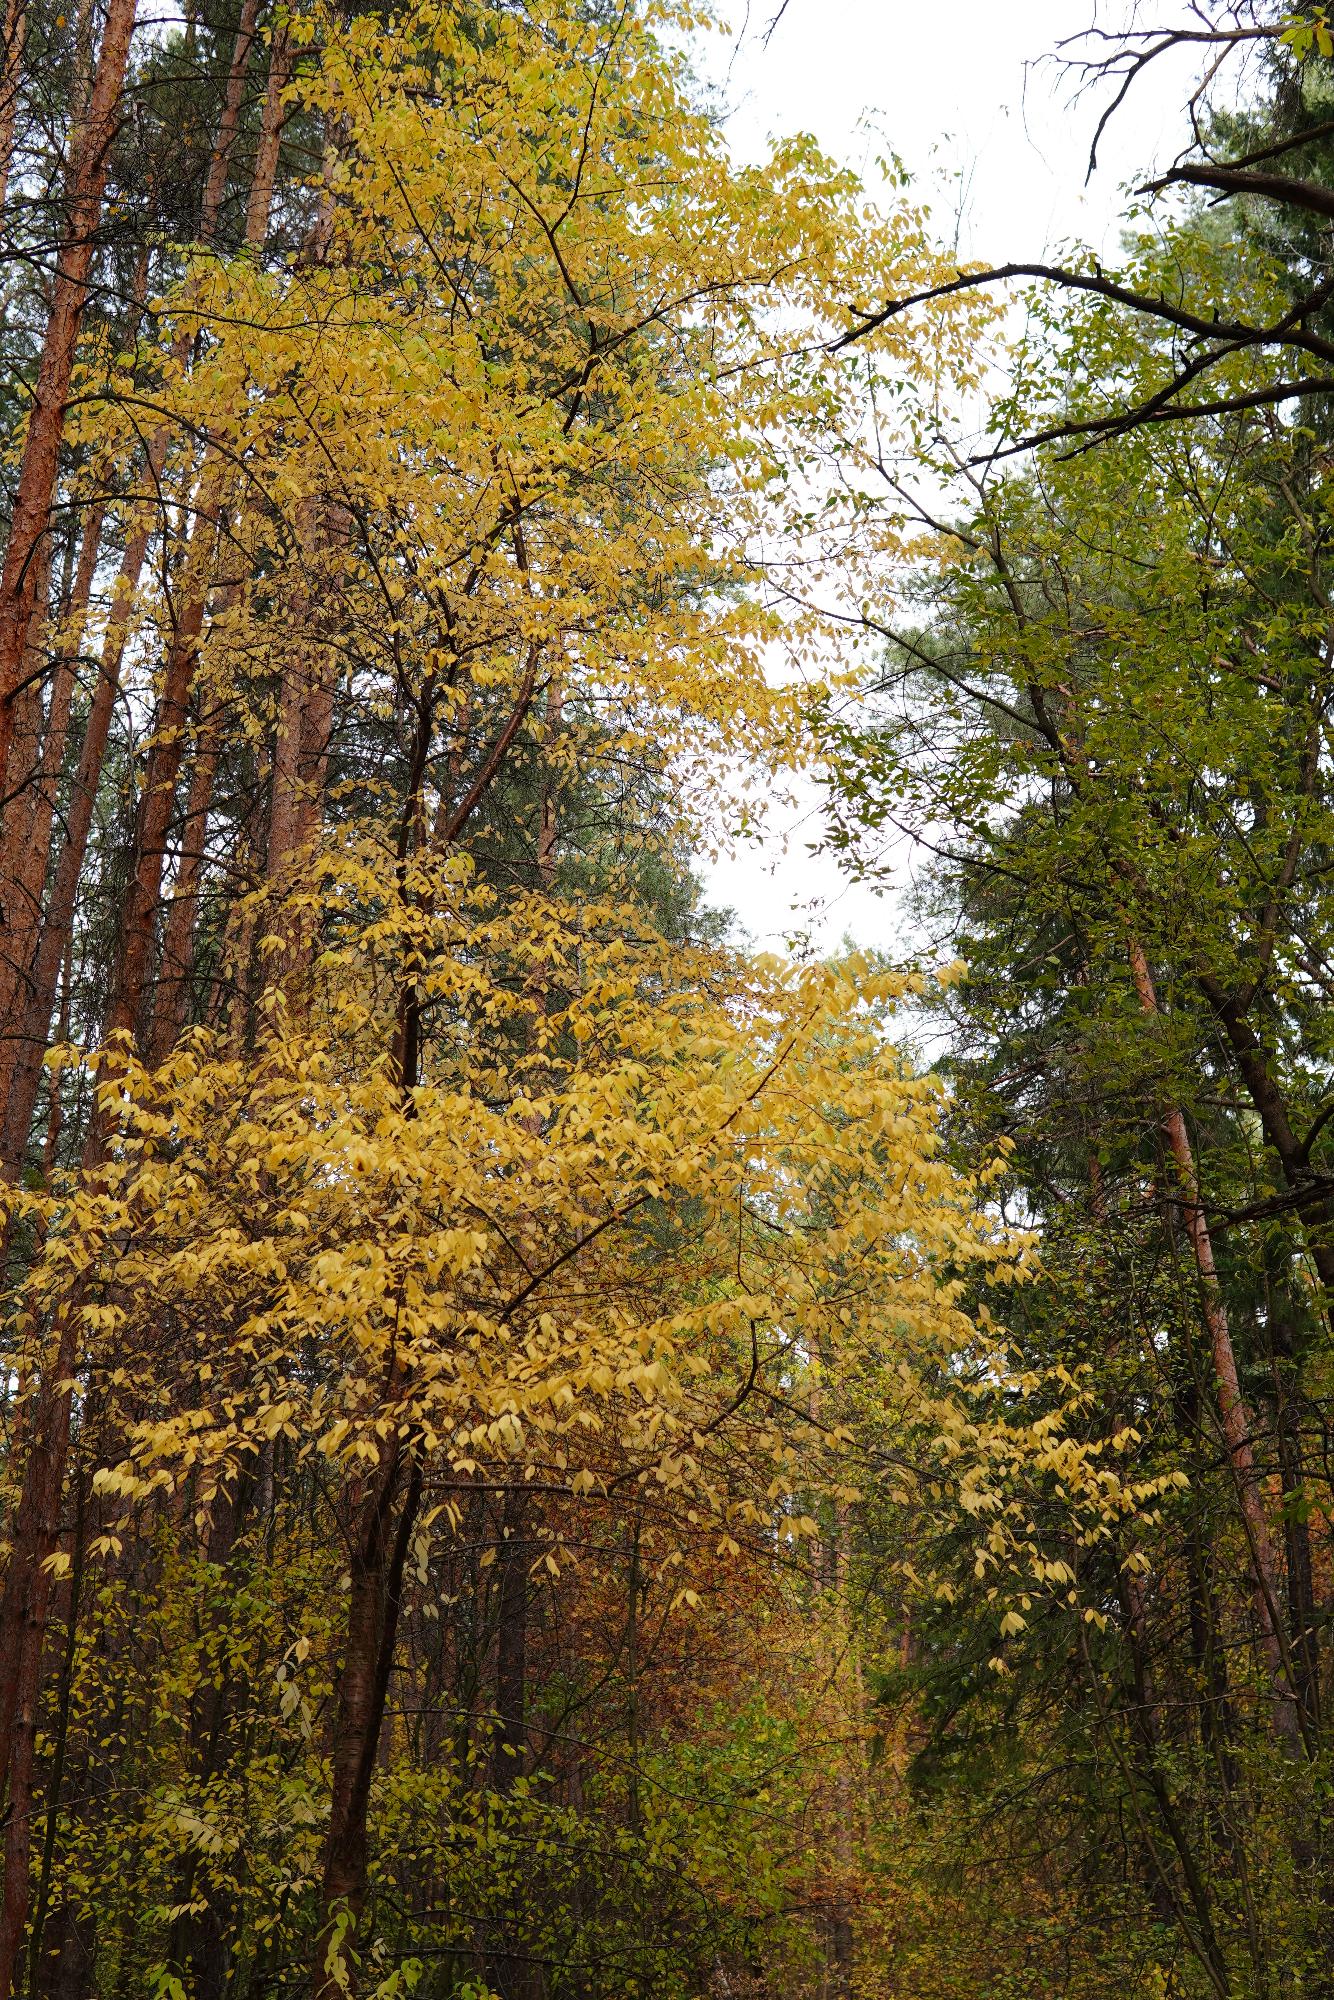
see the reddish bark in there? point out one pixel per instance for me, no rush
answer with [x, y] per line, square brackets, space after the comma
[21, 575]
[271, 124]
[215, 187]
[26, 853]
[157, 799]
[20, 1076]
[1233, 1414]
[29, 1045]
[15, 37]
[25, 1597]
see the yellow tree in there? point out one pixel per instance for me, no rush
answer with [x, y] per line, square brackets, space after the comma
[488, 470]
[597, 1246]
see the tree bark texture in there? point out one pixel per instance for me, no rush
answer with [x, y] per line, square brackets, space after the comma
[30, 526]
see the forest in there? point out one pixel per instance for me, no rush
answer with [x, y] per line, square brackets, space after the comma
[546, 1452]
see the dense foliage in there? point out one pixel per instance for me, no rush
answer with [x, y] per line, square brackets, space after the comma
[542, 1454]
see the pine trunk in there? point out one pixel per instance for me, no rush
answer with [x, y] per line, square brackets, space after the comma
[1233, 1414]
[15, 33]
[38, 469]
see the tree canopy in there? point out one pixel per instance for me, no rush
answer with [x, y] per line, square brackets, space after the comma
[546, 1454]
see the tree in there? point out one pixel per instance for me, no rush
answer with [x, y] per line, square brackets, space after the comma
[417, 1243]
[1286, 326]
[1110, 728]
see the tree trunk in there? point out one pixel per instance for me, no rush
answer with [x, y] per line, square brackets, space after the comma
[512, 1644]
[20, 577]
[512, 1970]
[157, 800]
[64, 1699]
[153, 819]
[1275, 1122]
[23, 1080]
[215, 187]
[304, 724]
[271, 123]
[23, 1613]
[379, 1552]
[15, 33]
[198, 1946]
[1284, 1332]
[20, 1081]
[171, 1005]
[26, 855]
[1234, 1416]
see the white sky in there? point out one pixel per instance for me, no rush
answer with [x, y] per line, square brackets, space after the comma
[993, 140]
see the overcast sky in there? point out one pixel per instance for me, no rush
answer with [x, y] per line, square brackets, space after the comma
[962, 94]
